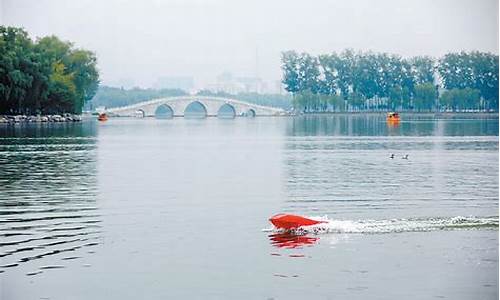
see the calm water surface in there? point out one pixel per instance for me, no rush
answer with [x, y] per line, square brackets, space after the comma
[178, 209]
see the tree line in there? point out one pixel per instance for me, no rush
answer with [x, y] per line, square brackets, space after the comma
[114, 97]
[379, 81]
[44, 76]
[274, 100]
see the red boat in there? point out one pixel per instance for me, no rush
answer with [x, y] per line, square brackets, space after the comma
[288, 222]
[393, 117]
[102, 117]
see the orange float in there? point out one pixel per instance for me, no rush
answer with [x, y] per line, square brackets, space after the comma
[289, 222]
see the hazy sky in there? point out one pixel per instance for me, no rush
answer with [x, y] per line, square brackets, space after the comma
[146, 39]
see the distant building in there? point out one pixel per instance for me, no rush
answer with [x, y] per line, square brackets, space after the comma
[252, 84]
[228, 83]
[125, 83]
[185, 83]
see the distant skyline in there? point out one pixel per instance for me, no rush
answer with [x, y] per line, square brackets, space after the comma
[142, 41]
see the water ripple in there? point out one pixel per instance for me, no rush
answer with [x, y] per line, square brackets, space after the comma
[47, 201]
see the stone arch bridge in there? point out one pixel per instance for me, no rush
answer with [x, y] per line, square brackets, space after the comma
[206, 107]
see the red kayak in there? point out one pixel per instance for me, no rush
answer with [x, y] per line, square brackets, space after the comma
[288, 222]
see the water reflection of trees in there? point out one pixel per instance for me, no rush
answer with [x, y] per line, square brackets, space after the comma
[49, 188]
[376, 125]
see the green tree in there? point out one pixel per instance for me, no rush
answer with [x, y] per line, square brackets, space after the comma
[345, 63]
[328, 84]
[425, 96]
[308, 73]
[391, 72]
[368, 80]
[396, 98]
[336, 102]
[422, 70]
[473, 70]
[15, 62]
[82, 65]
[59, 88]
[48, 75]
[459, 99]
[62, 90]
[365, 76]
[290, 66]
[485, 69]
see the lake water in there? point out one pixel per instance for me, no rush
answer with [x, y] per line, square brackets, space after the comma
[178, 209]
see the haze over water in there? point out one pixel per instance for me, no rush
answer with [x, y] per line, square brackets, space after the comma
[178, 209]
[138, 42]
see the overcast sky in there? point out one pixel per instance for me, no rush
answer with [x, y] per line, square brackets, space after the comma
[145, 39]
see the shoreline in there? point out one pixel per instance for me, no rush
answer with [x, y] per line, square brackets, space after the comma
[71, 118]
[436, 114]
[13, 119]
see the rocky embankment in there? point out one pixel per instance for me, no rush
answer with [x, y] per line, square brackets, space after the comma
[11, 119]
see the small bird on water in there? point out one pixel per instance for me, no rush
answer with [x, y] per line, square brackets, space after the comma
[392, 155]
[405, 156]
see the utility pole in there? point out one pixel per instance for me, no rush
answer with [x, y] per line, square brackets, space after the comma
[256, 62]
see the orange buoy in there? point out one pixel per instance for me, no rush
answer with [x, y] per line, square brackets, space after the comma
[288, 222]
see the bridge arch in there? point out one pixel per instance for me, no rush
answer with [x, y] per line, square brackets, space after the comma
[139, 113]
[226, 111]
[195, 110]
[250, 113]
[164, 111]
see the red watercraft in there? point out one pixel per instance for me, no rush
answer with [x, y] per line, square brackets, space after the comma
[102, 117]
[288, 222]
